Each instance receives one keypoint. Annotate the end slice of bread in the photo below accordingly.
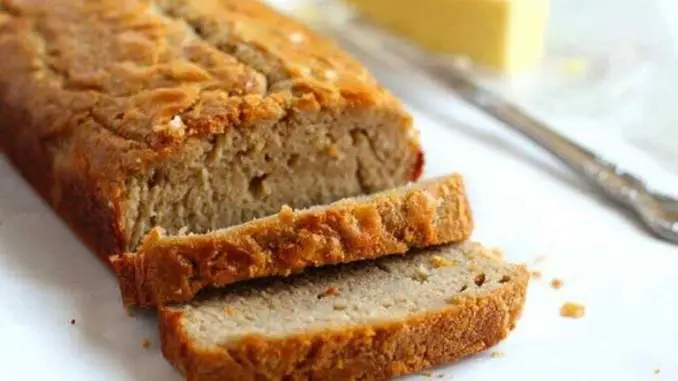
(369, 320)
(174, 268)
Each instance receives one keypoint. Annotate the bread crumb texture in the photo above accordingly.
(535, 274)
(420, 274)
(437, 261)
(330, 291)
(496, 354)
(572, 310)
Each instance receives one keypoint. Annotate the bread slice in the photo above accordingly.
(363, 321)
(174, 268)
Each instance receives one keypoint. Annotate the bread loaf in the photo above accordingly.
(365, 321)
(174, 268)
(188, 114)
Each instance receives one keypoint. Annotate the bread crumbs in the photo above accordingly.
(427, 373)
(657, 371)
(535, 274)
(556, 283)
(572, 310)
(497, 354)
(330, 291)
(72, 322)
(333, 151)
(146, 343)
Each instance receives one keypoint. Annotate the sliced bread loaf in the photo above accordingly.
(369, 320)
(174, 268)
(125, 115)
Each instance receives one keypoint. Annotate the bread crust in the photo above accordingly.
(91, 92)
(358, 353)
(175, 269)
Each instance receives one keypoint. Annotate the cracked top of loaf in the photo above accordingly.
(146, 75)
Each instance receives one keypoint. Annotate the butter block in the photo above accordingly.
(504, 35)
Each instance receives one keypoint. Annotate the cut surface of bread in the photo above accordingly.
(369, 320)
(126, 115)
(174, 268)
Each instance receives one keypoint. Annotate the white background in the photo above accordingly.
(523, 201)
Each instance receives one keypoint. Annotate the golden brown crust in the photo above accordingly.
(359, 353)
(89, 89)
(174, 269)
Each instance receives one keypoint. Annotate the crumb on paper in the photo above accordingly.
(72, 322)
(438, 261)
(496, 354)
(146, 343)
(535, 274)
(556, 283)
(572, 310)
(330, 291)
(657, 371)
(420, 274)
(427, 373)
(442, 376)
(540, 258)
